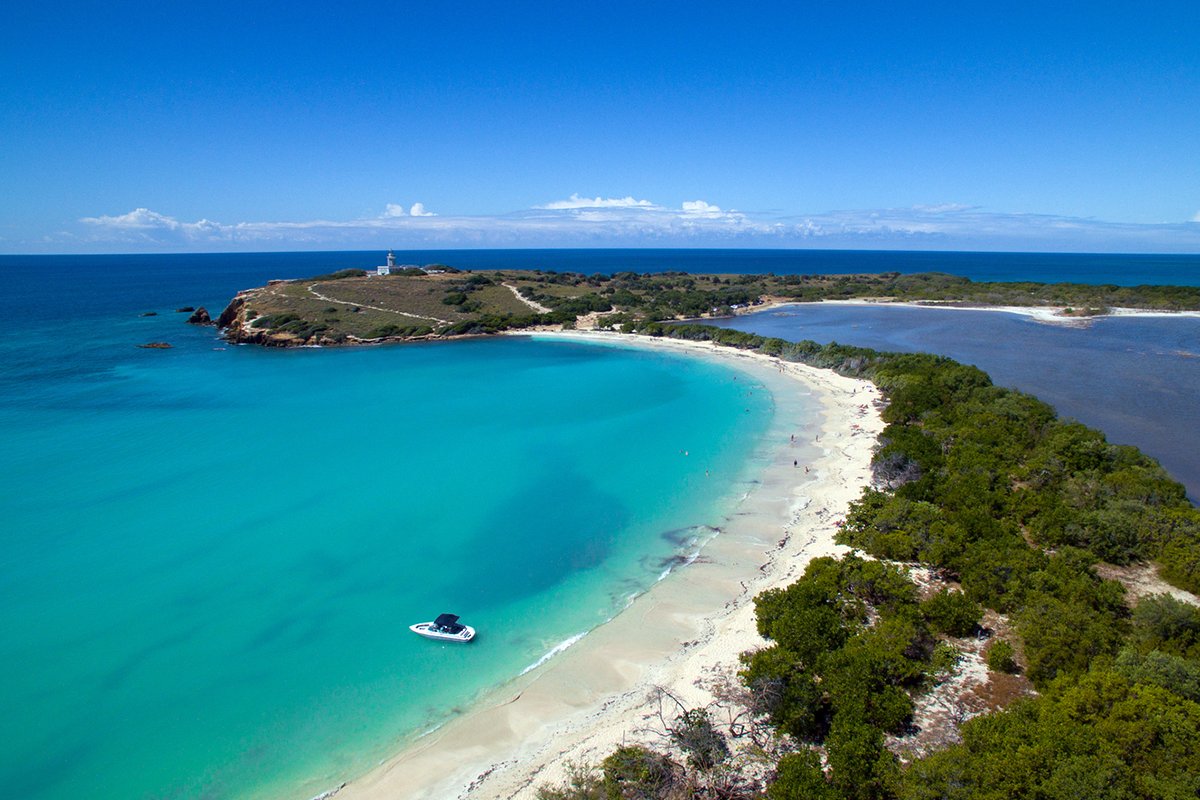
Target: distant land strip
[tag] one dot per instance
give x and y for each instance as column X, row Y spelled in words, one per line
column 438, row 301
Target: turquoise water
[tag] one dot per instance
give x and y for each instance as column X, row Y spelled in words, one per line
column 210, row 556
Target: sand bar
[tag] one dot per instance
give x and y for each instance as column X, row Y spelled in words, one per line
column 685, row 633
column 1051, row 315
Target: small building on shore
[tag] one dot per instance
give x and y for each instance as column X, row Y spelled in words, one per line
column 386, row 269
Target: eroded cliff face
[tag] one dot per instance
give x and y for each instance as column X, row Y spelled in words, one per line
column 236, row 328
column 233, row 313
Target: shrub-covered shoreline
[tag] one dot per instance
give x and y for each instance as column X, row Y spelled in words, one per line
column 1013, row 509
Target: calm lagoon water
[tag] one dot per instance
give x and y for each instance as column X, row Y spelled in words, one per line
column 1135, row 378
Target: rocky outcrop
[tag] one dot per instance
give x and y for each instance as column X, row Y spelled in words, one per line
column 156, row 345
column 233, row 312
column 200, row 317
column 185, row 309
column 236, row 328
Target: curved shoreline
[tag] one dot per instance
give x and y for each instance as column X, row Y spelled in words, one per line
column 682, row 634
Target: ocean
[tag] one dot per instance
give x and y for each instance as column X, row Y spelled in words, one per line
column 210, row 554
column 241, row 270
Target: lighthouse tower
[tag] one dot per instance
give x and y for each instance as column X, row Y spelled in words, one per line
column 386, row 269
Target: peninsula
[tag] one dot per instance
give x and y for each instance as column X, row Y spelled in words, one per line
column 1029, row 600
column 438, row 301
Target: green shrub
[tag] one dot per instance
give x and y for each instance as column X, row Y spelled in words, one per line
column 695, row 734
column 1160, row 622
column 335, row 276
column 952, row 613
column 944, row 660
column 581, row 784
column 1001, row 657
column 799, row 777
column 637, row 773
column 1156, row 668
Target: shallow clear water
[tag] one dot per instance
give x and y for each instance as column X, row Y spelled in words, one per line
column 210, row 556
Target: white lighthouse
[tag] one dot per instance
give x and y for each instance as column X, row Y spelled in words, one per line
column 386, row 269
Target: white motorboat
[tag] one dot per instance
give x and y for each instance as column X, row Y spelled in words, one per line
column 445, row 628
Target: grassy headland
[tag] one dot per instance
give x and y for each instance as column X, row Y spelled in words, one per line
column 353, row 307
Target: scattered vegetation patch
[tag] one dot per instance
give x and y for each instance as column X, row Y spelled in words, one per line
column 341, row 274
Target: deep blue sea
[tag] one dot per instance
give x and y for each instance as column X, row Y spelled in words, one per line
column 193, row 274
column 209, row 555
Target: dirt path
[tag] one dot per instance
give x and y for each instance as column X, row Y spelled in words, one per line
column 312, row 290
column 538, row 307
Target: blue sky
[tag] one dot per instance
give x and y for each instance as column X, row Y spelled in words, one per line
column 160, row 127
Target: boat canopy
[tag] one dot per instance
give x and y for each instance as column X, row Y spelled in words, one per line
column 448, row 622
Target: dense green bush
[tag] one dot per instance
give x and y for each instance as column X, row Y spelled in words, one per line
column 827, row 661
column 335, row 276
column 1167, row 670
column 1001, row 657
column 401, row 331
column 799, row 776
column 1104, row 737
column 1160, row 622
column 952, row 613
column 636, row 773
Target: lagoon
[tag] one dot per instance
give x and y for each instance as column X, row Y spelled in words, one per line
column 1135, row 378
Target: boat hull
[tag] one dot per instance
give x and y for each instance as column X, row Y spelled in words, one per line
column 428, row 630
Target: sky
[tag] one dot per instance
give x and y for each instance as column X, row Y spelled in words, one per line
column 192, row 127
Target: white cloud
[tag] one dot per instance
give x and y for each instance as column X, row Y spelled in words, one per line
column 632, row 223
column 944, row 208
column 1197, row 217
column 137, row 219
column 575, row 201
column 142, row 224
column 701, row 208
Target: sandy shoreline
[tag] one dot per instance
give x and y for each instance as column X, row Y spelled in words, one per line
column 681, row 635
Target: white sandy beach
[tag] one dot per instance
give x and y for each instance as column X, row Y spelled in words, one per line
column 685, row 632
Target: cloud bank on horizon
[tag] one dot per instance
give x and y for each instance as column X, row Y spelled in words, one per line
column 631, row 222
